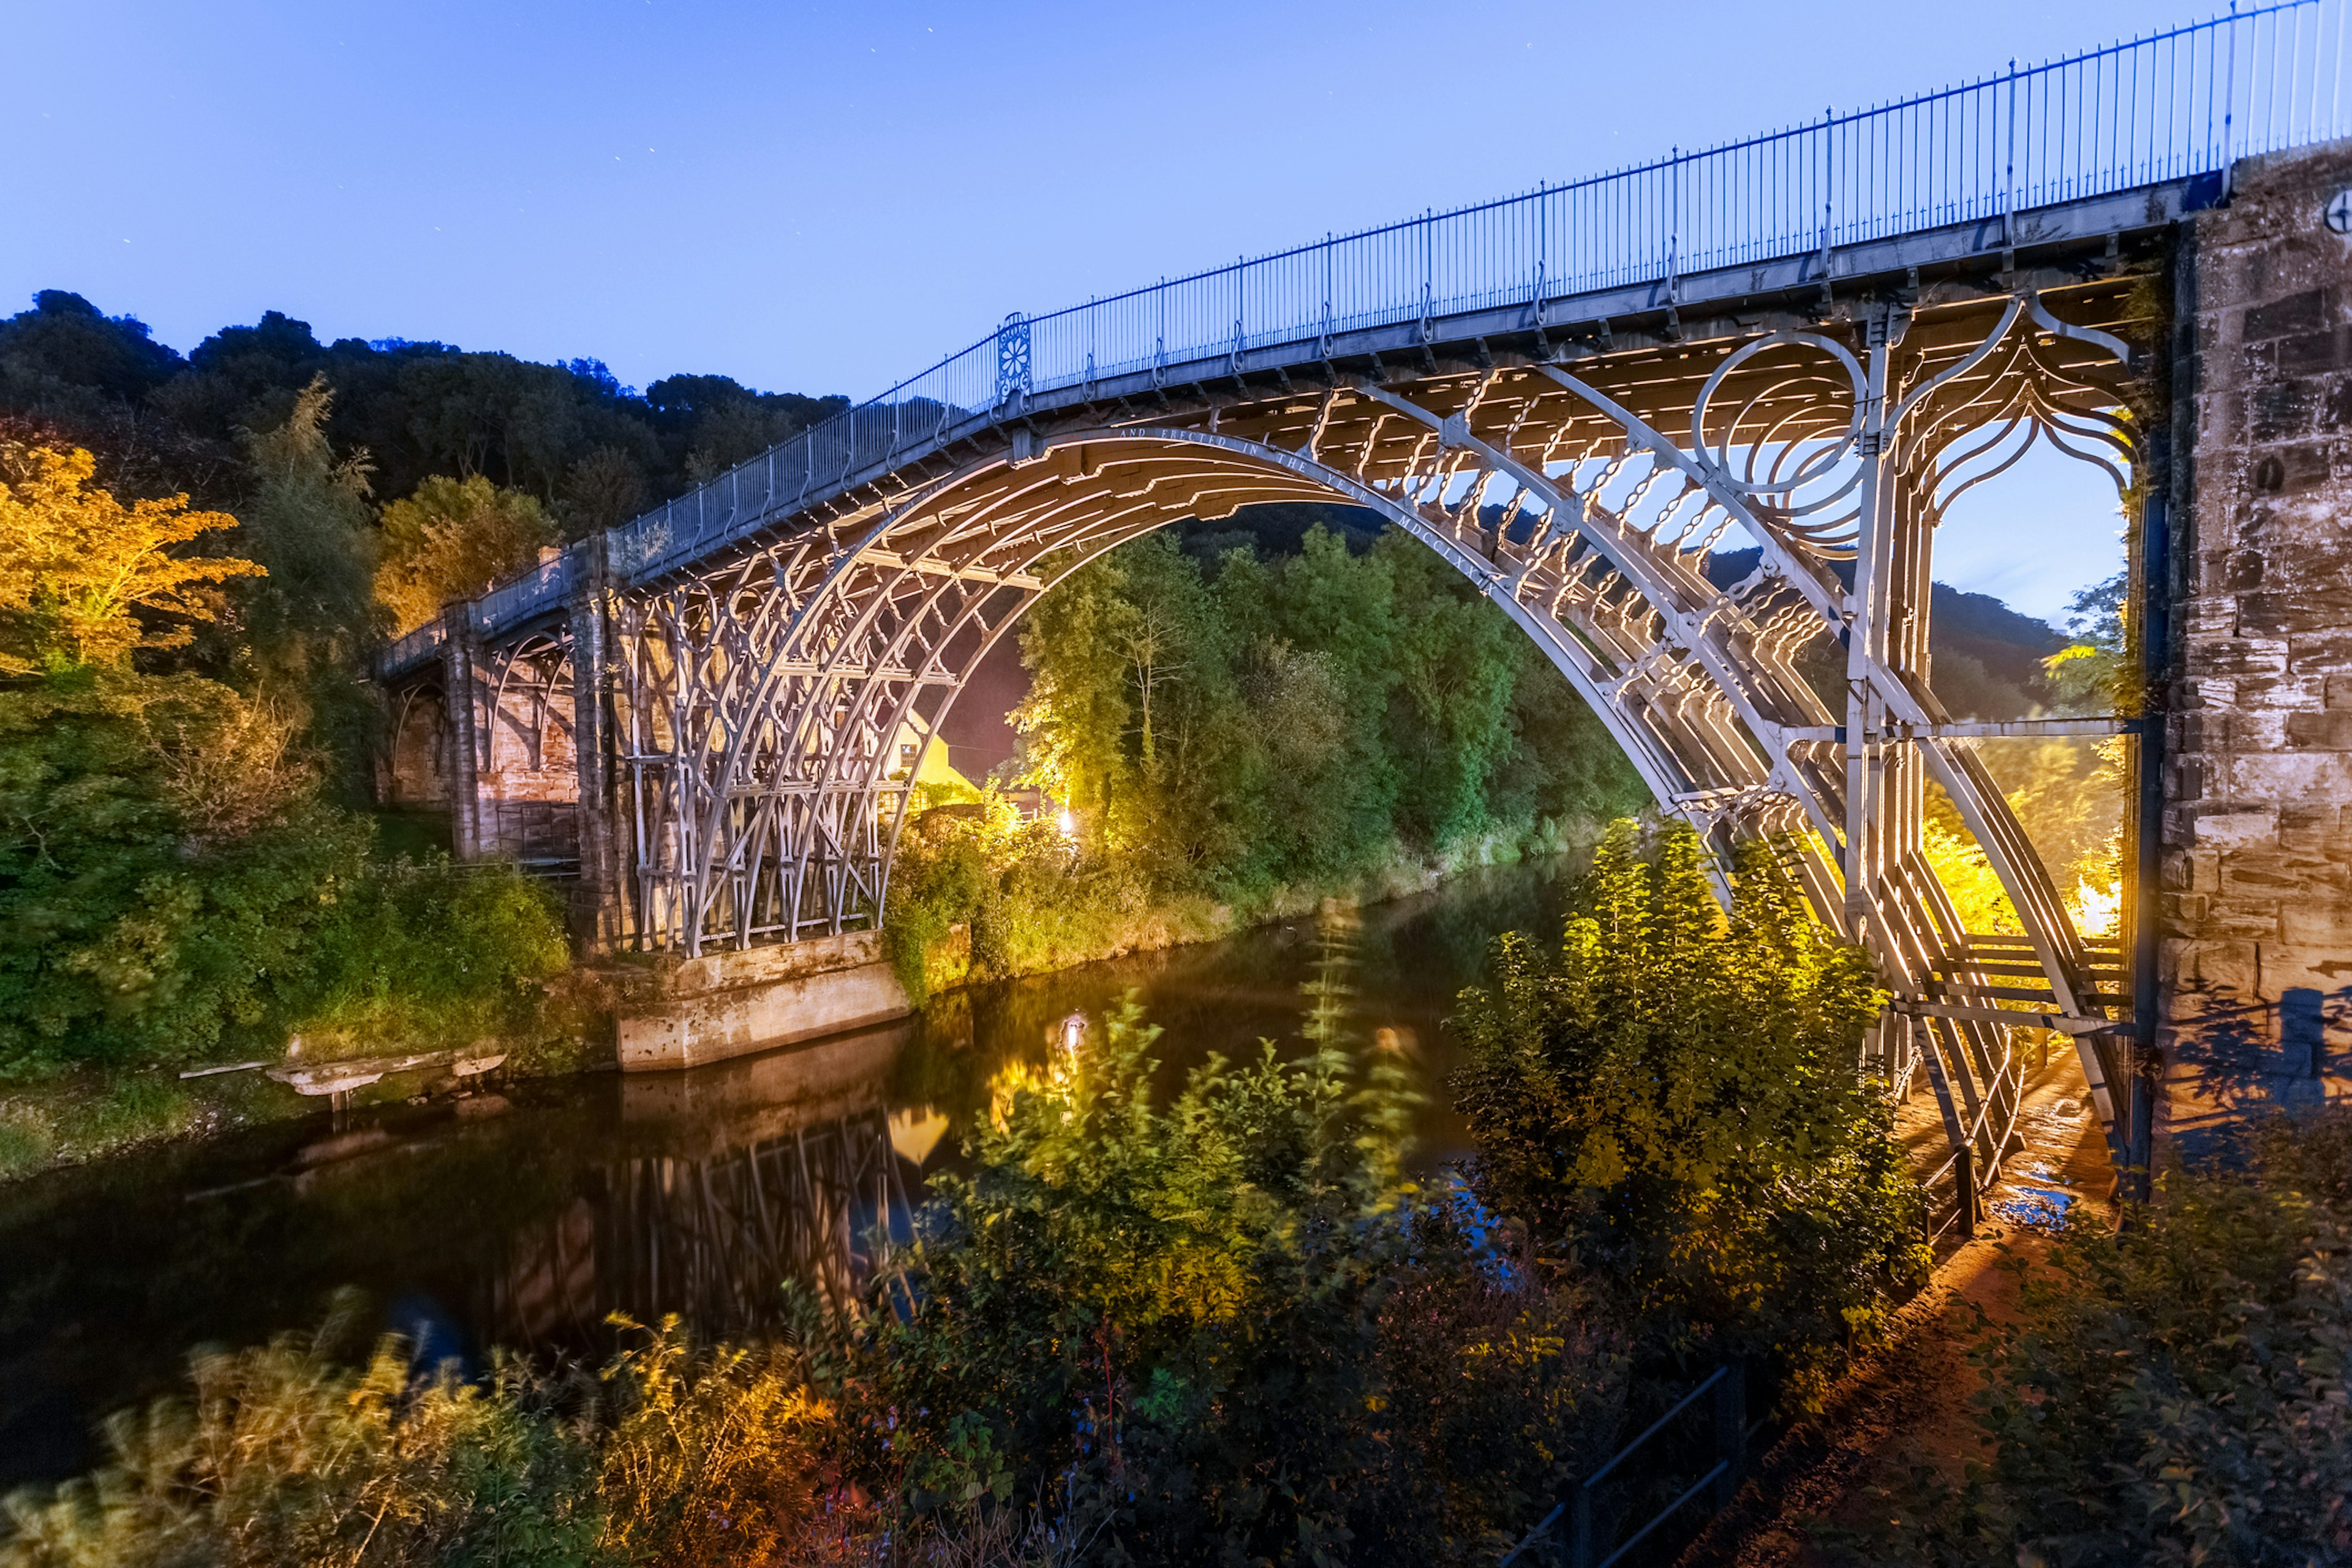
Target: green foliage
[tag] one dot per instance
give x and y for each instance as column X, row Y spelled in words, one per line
column 1230, row 742
column 450, row 540
column 2089, row 675
column 593, row 451
column 145, row 918
column 1223, row 1324
column 433, row 954
column 1030, row 898
column 309, row 625
column 83, row 576
column 713, row 1456
column 290, row 1457
column 1674, row 1101
column 1297, row 721
column 2173, row 1393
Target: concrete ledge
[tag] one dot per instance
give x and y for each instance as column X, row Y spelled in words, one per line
column 727, row 1004
column 716, row 1110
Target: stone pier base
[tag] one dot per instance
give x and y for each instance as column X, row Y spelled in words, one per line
column 728, row 1004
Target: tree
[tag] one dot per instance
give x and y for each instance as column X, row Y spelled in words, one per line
column 451, row 540
column 1076, row 710
column 2088, row 675
column 83, row 578
column 64, row 339
column 1674, row 1099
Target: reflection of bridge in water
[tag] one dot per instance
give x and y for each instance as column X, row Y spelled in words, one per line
column 726, row 1182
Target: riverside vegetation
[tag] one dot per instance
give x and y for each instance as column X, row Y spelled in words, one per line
column 1222, row 1323
column 1227, row 1324
column 1233, row 736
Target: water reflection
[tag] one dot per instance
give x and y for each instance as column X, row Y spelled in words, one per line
column 731, row 1179
column 524, row 1217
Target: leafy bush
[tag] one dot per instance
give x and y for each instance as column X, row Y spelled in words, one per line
column 1032, row 900
column 715, row 1456
column 288, row 1456
column 153, row 911
column 1225, row 1328
column 2173, row 1393
column 1674, row 1101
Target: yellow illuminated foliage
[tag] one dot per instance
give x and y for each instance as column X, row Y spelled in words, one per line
column 450, row 540
column 80, row 572
column 1968, row 878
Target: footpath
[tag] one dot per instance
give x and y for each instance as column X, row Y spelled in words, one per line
column 1905, row 1405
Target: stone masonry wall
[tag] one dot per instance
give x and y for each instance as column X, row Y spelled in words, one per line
column 2256, row 900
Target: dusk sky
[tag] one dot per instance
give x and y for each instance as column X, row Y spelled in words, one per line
column 828, row 198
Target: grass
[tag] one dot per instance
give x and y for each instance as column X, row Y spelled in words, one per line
column 82, row 1116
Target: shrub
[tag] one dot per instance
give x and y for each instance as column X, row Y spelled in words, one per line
column 1674, row 1101
column 2173, row 1393
column 288, row 1456
column 149, row 914
column 1223, row 1328
column 715, row 1456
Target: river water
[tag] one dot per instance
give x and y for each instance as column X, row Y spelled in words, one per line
column 524, row 1216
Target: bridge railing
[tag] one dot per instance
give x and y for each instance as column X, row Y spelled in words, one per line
column 2172, row 105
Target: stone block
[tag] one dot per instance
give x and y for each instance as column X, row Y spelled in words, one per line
column 2247, row 920
column 2260, row 728
column 2309, row 828
column 2290, row 776
column 2278, row 411
column 2247, row 874
column 2286, row 613
column 2234, row 829
column 2291, row 470
column 2229, row 967
column 2287, row 965
column 2338, row 691
column 2327, row 731
column 2323, row 923
column 2235, row 656
column 2296, row 315
column 2314, row 354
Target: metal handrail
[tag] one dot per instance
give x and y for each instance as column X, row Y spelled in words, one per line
column 1579, row 1502
column 2176, row 104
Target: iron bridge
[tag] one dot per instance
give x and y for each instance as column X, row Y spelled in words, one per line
column 1810, row 342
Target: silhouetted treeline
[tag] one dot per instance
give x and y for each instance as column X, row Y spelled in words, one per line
column 593, row 451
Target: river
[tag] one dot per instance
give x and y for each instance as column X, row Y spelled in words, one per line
column 521, row 1217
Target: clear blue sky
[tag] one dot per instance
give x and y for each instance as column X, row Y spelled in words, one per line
column 824, row 198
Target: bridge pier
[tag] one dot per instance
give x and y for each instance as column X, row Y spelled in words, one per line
column 459, row 655
column 2254, row 911
column 733, row 1004
column 599, row 913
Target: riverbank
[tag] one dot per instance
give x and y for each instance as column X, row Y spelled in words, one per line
column 89, row 1113
column 977, row 895
column 94, row 1113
